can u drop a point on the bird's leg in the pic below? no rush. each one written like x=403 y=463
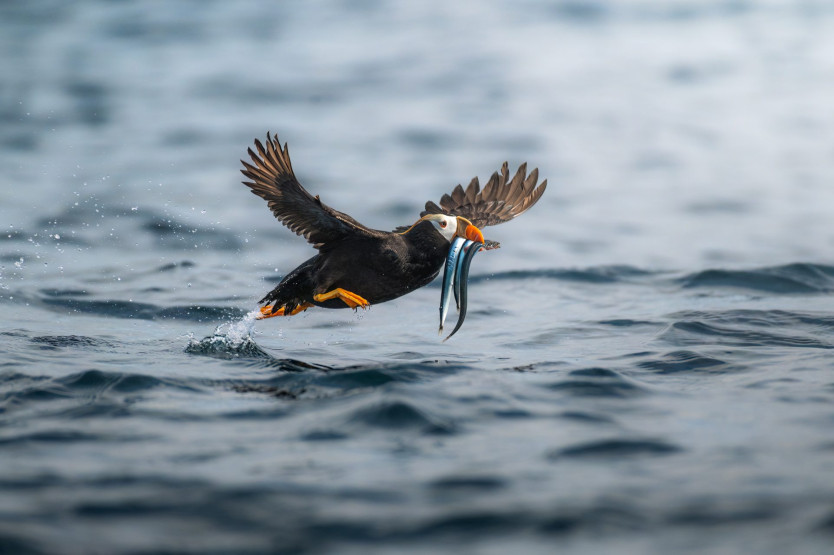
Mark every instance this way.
x=351 y=299
x=266 y=311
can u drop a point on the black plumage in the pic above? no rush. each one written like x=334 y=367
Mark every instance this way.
x=357 y=266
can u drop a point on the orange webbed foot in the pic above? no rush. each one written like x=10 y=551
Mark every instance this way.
x=351 y=299
x=266 y=311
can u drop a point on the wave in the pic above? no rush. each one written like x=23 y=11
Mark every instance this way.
x=62 y=436
x=101 y=392
x=55 y=292
x=219 y=346
x=750 y=328
x=54 y=342
x=100 y=380
x=685 y=361
x=605 y=12
x=587 y=417
x=616 y=449
x=626 y=323
x=463 y=484
x=400 y=415
x=597 y=382
x=696 y=332
x=233 y=341
x=761 y=318
x=598 y=274
x=142 y=311
x=785 y=279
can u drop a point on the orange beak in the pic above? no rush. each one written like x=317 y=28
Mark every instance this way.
x=470 y=231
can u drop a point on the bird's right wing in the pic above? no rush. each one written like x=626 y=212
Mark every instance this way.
x=274 y=181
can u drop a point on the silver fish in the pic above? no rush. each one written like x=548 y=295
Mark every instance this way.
x=457 y=264
x=449 y=271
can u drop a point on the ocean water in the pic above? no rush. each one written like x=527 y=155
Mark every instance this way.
x=646 y=366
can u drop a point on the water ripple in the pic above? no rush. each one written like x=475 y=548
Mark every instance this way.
x=722 y=515
x=615 y=449
x=685 y=361
x=63 y=436
x=233 y=341
x=697 y=333
x=598 y=382
x=762 y=318
x=400 y=415
x=54 y=342
x=787 y=279
x=587 y=417
x=143 y=311
x=458 y=484
x=601 y=274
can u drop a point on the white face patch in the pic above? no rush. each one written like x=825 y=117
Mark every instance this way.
x=447 y=226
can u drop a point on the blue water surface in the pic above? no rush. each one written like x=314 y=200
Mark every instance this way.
x=646 y=365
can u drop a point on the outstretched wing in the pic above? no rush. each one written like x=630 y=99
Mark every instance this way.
x=274 y=181
x=501 y=199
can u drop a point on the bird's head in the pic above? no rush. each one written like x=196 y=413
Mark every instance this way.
x=454 y=226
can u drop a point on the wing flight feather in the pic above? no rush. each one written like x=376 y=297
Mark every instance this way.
x=272 y=179
x=500 y=200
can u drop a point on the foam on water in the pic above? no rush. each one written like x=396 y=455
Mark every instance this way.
x=230 y=340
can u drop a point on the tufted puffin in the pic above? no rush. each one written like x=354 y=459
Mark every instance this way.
x=357 y=266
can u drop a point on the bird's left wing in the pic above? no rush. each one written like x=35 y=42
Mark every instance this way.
x=501 y=199
x=274 y=181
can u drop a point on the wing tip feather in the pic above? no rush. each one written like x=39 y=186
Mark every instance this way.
x=499 y=200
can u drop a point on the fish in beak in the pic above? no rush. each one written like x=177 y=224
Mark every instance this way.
x=449 y=271
x=455 y=275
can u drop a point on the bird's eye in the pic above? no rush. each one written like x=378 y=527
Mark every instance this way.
x=442 y=223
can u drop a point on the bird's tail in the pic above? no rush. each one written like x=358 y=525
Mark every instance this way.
x=292 y=295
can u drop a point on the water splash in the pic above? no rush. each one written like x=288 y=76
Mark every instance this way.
x=238 y=331
x=230 y=340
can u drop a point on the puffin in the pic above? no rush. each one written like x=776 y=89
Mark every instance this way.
x=357 y=266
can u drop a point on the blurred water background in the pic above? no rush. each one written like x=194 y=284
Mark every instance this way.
x=646 y=365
